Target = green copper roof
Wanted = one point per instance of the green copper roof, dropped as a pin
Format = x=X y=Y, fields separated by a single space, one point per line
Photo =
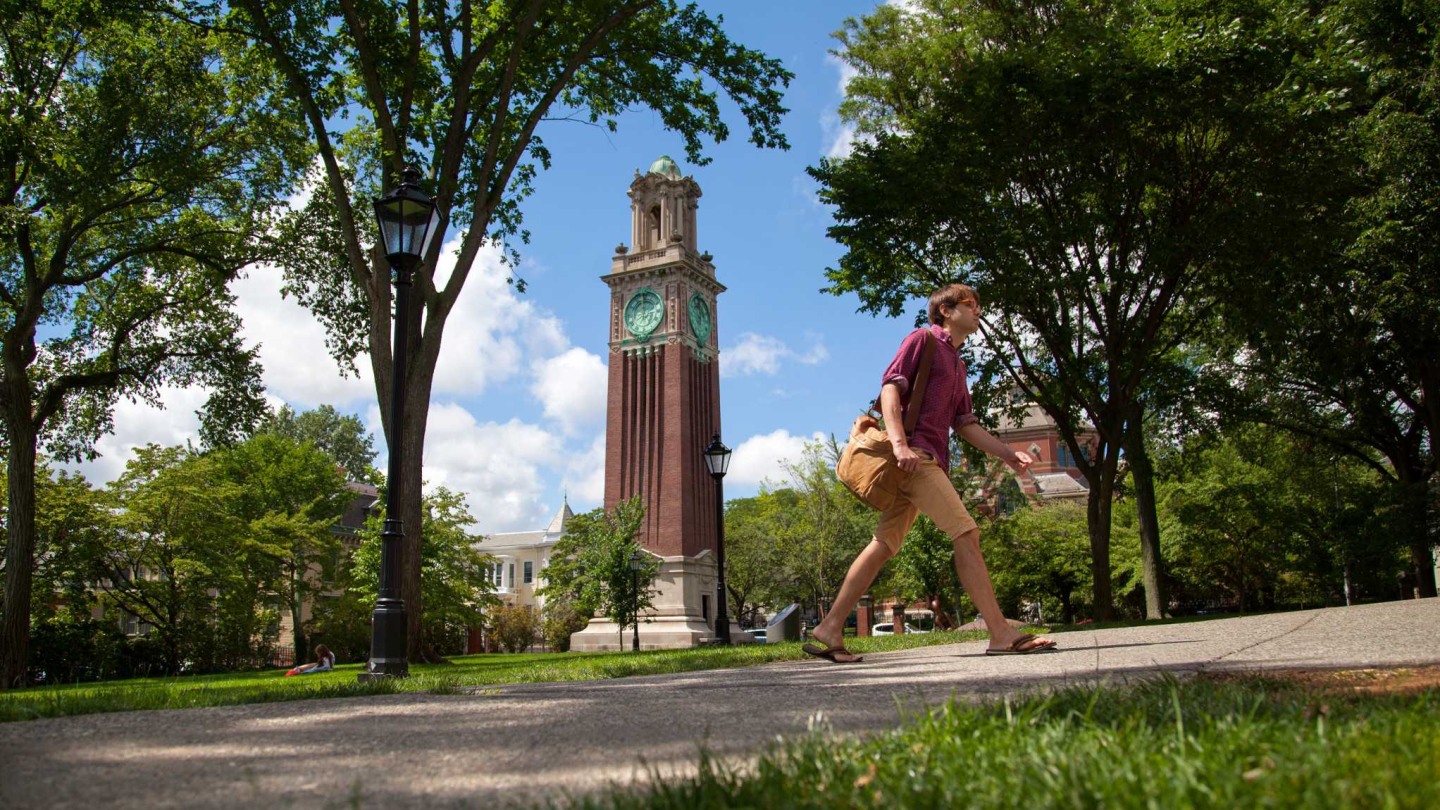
x=664 y=165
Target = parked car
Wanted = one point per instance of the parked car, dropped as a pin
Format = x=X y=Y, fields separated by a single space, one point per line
x=758 y=634
x=888 y=629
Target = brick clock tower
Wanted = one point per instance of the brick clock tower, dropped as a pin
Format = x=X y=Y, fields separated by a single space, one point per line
x=664 y=406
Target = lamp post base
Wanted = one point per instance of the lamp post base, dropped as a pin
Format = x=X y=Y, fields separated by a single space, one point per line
x=384 y=670
x=387 y=642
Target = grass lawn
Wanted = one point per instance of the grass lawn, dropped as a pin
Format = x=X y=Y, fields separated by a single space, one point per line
x=1240 y=742
x=463 y=671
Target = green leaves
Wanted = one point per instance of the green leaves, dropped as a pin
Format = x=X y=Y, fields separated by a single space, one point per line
x=590 y=566
x=455 y=575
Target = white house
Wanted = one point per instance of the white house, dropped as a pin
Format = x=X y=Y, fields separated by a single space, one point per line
x=520 y=558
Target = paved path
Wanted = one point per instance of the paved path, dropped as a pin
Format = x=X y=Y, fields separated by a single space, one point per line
x=519 y=743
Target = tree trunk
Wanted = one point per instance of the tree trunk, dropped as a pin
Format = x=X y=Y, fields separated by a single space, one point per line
x=1101 y=477
x=299 y=642
x=1152 y=570
x=1415 y=493
x=1098 y=520
x=417 y=416
x=19 y=551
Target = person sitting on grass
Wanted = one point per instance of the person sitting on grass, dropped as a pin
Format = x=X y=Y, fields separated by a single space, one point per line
x=325 y=662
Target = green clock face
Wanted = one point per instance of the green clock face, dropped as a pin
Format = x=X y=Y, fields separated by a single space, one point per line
x=700 y=317
x=644 y=312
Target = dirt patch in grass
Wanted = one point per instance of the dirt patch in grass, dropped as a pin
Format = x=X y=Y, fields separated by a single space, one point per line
x=1371 y=681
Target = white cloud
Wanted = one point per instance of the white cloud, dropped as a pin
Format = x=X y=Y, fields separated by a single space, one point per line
x=762 y=458
x=491 y=328
x=496 y=466
x=572 y=388
x=762 y=354
x=298 y=368
x=503 y=468
x=138 y=424
x=839 y=136
x=585 y=476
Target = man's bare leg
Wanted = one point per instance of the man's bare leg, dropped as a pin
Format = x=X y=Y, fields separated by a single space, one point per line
x=970 y=565
x=831 y=630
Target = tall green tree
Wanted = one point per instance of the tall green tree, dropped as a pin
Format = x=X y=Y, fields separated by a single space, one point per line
x=1102 y=173
x=754 y=559
x=1042 y=554
x=183 y=565
x=1399 y=241
x=1349 y=351
x=1260 y=518
x=457 y=576
x=342 y=436
x=74 y=525
x=289 y=495
x=590 y=566
x=461 y=89
x=138 y=172
x=825 y=528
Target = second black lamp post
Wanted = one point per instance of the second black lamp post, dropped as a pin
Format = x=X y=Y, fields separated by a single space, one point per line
x=636 y=563
x=409 y=221
x=717 y=460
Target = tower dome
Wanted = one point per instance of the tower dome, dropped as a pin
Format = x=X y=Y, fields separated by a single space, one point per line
x=663 y=165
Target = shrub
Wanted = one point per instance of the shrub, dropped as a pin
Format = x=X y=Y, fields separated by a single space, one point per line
x=342 y=623
x=63 y=651
x=513 y=627
x=561 y=621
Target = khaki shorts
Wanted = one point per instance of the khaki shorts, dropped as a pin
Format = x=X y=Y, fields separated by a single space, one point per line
x=928 y=490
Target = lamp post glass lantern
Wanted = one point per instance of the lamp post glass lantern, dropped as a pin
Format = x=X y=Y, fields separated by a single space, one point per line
x=717 y=461
x=636 y=563
x=409 y=221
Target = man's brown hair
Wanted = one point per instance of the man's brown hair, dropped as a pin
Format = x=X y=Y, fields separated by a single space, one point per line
x=951 y=295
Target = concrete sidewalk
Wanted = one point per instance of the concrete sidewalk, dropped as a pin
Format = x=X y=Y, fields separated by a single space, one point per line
x=527 y=742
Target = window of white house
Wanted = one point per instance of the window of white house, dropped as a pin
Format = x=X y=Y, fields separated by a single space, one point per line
x=529 y=572
x=511 y=579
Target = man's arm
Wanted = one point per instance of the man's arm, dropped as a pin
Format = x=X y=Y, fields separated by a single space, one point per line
x=905 y=458
x=981 y=438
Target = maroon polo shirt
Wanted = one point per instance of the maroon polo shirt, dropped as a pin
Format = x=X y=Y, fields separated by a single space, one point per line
x=947 y=394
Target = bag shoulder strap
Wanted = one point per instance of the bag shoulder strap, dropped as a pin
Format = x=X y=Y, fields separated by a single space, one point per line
x=922 y=379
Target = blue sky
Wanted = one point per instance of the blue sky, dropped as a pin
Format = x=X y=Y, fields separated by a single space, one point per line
x=518 y=416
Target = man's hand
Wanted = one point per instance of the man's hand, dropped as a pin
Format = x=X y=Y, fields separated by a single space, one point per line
x=1021 y=462
x=905 y=458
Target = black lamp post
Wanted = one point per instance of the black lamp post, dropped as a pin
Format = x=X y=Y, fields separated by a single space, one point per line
x=717 y=460
x=636 y=564
x=409 y=222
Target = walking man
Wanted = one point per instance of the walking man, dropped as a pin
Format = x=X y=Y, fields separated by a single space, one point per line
x=954 y=316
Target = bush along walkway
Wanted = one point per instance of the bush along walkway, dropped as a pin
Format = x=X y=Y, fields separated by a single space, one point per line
x=1296 y=742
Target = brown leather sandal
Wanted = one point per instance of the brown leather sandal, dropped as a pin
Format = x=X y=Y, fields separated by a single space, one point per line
x=1024 y=646
x=836 y=655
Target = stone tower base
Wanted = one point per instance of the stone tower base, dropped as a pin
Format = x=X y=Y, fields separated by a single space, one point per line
x=685 y=585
